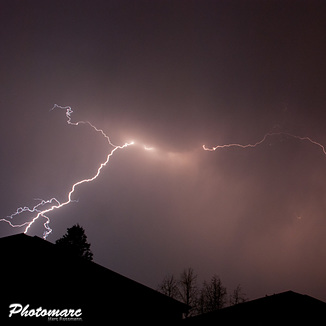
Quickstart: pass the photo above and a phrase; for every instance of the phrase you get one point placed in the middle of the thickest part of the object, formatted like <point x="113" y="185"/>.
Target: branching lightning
<point x="263" y="139"/>
<point x="46" y="206"/>
<point x="43" y="207"/>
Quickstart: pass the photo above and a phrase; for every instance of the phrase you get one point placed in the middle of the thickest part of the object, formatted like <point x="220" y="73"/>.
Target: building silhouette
<point x="39" y="274"/>
<point x="286" y="308"/>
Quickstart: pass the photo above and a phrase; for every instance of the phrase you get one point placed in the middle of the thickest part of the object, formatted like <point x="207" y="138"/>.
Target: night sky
<point x="172" y="75"/>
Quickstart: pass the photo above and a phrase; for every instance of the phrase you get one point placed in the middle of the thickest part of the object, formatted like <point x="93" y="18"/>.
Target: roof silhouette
<point x="279" y="308"/>
<point x="38" y="273"/>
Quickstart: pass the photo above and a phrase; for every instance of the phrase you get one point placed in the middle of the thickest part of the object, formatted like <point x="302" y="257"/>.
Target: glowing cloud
<point x="46" y="206"/>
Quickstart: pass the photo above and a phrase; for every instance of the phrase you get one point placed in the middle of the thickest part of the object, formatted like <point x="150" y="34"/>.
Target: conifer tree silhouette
<point x="75" y="241"/>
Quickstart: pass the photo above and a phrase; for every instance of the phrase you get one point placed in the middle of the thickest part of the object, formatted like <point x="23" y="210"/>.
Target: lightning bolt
<point x="212" y="149"/>
<point x="46" y="206"/>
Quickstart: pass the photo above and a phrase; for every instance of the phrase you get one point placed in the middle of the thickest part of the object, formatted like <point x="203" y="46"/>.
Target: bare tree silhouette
<point x="213" y="295"/>
<point x="238" y="296"/>
<point x="169" y="286"/>
<point x="188" y="290"/>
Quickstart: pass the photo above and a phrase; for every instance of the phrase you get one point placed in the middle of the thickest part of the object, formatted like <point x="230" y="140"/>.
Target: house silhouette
<point x="286" y="308"/>
<point x="39" y="274"/>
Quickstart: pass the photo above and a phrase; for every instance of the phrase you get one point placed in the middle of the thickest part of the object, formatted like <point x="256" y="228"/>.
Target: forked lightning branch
<point x="44" y="207"/>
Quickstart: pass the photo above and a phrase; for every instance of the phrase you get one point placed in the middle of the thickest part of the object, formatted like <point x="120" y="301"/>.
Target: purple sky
<point x="173" y="75"/>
